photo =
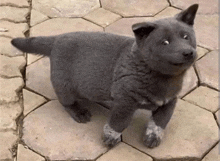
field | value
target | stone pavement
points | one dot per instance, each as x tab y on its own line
35	127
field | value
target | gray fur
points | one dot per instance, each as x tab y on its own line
143	72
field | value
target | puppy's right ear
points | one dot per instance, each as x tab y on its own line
187	16
143	29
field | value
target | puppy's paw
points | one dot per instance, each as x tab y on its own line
80	116
111	141
110	137
153	136
151	140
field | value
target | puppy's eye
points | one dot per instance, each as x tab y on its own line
165	42
185	36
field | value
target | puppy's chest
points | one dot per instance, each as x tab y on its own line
138	81
157	89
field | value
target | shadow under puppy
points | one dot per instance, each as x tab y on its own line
145	72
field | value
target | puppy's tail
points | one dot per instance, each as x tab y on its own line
39	45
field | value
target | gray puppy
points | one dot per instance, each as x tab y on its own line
145	72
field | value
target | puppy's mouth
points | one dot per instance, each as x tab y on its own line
177	64
181	64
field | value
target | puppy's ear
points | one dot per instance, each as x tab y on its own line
143	29
187	16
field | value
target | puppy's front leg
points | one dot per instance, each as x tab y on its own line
120	118
155	128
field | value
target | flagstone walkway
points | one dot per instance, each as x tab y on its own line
35	127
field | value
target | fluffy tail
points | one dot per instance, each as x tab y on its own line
38	45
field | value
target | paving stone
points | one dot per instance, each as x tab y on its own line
65	8
190	82
37	17
168	12
11	66
17	3
123	26
13	13
205	7
31	101
102	17
7	49
191	132
135	8
207	68
124	152
9	89
201	52
206	27
46	127
31	58
205	98
40	81
25	154
63	25
218	117
7	140
213	155
8	114
12	30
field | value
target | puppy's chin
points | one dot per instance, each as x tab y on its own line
170	68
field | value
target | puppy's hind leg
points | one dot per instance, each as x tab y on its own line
68	99
78	113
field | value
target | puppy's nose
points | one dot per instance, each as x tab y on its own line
188	54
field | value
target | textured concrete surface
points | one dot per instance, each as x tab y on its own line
205	98
206	27
16	3
65	8
11	66
52	132
7	141
31	58
214	154
190	82
31	101
124	152
123	26
13	14
7	49
37	17
218	117
102	17
208	69
13	29
62	25
191	132
9	89
201	52
8	115
40	81
205	7
49	132
135	8
25	154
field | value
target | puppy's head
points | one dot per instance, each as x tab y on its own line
168	45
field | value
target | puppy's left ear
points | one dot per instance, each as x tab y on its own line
143	29
187	16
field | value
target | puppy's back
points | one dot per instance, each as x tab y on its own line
90	59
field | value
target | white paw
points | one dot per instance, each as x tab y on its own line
153	135
111	137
